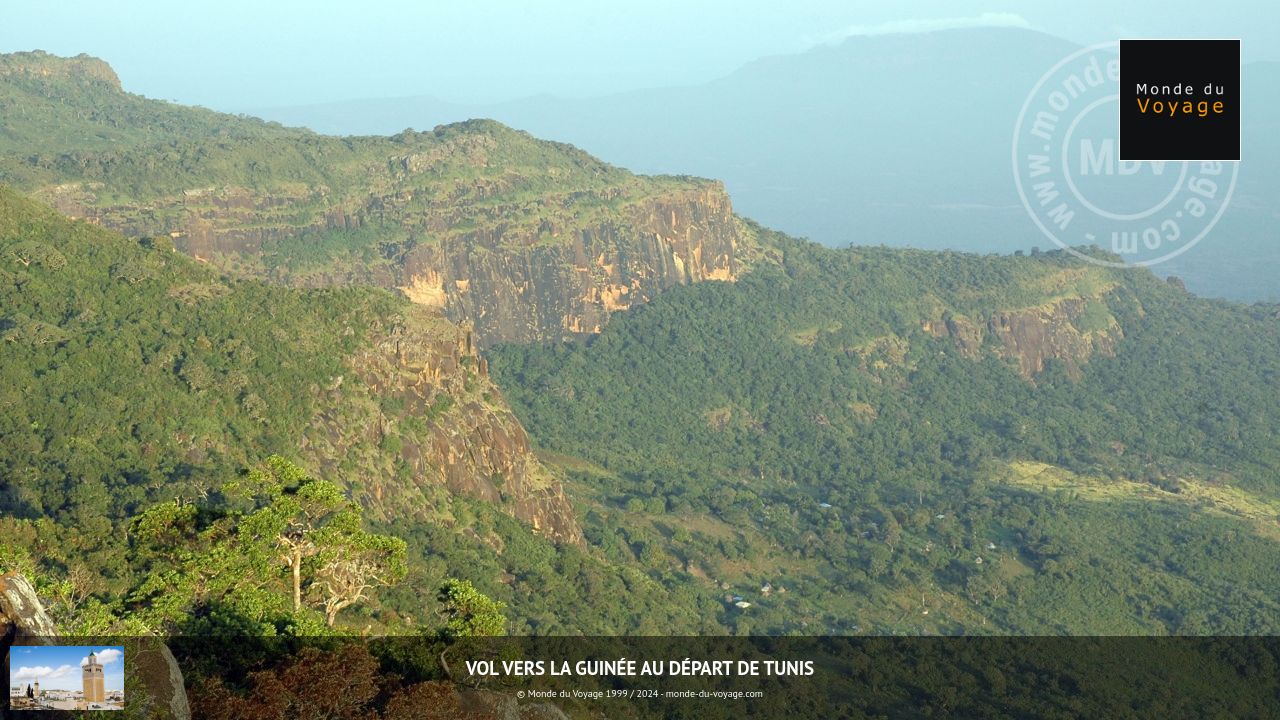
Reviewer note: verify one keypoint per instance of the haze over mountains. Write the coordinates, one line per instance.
(894, 139)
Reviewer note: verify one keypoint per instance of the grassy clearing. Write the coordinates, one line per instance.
(1261, 512)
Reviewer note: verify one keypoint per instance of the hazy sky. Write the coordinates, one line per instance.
(241, 54)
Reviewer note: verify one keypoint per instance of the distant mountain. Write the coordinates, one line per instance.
(896, 139)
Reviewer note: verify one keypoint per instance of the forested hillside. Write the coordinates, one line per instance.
(931, 442)
(136, 383)
(867, 440)
(526, 239)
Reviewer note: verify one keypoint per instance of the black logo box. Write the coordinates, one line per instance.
(1185, 67)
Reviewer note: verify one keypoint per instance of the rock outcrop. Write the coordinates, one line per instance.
(434, 419)
(22, 616)
(515, 280)
(1068, 330)
(42, 66)
(515, 287)
(154, 668)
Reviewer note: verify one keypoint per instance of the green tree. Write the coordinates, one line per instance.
(225, 563)
(354, 562)
(467, 613)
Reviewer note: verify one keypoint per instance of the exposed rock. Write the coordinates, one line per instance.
(968, 335)
(521, 269)
(155, 669)
(1038, 334)
(516, 289)
(21, 614)
(1034, 336)
(39, 65)
(451, 428)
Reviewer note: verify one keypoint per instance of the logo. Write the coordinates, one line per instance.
(1180, 99)
(1071, 180)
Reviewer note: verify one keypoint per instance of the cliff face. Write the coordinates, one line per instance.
(1069, 330)
(528, 240)
(41, 66)
(420, 405)
(517, 287)
(528, 270)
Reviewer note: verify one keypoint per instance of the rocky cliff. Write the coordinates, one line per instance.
(528, 240)
(519, 269)
(1068, 330)
(564, 277)
(43, 67)
(419, 404)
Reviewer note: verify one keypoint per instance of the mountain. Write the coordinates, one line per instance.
(859, 440)
(895, 139)
(924, 442)
(524, 239)
(132, 376)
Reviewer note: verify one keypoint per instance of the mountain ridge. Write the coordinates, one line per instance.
(526, 239)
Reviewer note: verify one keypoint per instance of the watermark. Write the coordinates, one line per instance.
(1067, 167)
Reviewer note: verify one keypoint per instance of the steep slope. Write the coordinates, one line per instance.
(528, 240)
(131, 374)
(911, 441)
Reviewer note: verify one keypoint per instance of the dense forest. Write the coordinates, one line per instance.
(809, 428)
(135, 381)
(844, 441)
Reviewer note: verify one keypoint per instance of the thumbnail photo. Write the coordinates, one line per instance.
(66, 677)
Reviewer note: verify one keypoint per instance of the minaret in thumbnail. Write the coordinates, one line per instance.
(93, 679)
